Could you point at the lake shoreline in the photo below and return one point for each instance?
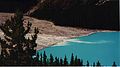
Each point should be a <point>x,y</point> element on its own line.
<point>103,48</point>
<point>47,40</point>
<point>60,41</point>
<point>51,34</point>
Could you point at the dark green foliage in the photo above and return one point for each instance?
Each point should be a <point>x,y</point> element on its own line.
<point>61,62</point>
<point>51,59</point>
<point>114,64</point>
<point>65,61</point>
<point>98,64</point>
<point>56,61</point>
<point>94,64</point>
<point>15,48</point>
<point>81,63</point>
<point>36,59</point>
<point>72,60</point>
<point>44,59</point>
<point>76,60</point>
<point>87,63</point>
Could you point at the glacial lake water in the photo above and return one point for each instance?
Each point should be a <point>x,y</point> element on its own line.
<point>102,46</point>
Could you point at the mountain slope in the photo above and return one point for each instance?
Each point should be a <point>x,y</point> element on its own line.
<point>96,14</point>
<point>13,5</point>
<point>47,27</point>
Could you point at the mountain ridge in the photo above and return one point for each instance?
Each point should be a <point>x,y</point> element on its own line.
<point>87,14</point>
<point>95,14</point>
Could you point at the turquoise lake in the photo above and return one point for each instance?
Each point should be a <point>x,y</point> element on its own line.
<point>102,46</point>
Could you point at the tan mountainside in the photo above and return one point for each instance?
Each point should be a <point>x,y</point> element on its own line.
<point>47,27</point>
<point>50,34</point>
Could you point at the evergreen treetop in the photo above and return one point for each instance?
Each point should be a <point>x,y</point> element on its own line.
<point>16,49</point>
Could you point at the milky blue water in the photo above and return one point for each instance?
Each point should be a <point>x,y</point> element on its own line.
<point>102,46</point>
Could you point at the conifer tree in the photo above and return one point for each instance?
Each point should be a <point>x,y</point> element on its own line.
<point>94,64</point>
<point>81,62</point>
<point>47,62</point>
<point>114,64</point>
<point>44,58</point>
<point>98,64</point>
<point>76,60</point>
<point>51,59</point>
<point>16,49</point>
<point>65,61</point>
<point>36,59</point>
<point>61,62</point>
<point>87,63</point>
<point>72,60</point>
<point>56,61</point>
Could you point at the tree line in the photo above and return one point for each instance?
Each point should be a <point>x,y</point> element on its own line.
<point>43,60</point>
